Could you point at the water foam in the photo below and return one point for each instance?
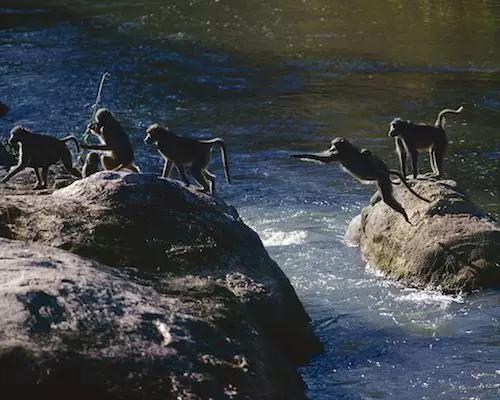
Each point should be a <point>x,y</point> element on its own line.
<point>272,237</point>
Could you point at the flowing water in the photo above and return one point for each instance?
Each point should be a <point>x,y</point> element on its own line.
<point>277,76</point>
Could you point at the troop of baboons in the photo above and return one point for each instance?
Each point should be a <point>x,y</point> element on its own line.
<point>41,151</point>
<point>410,138</point>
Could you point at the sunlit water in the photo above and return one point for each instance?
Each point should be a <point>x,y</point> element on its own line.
<point>281,76</point>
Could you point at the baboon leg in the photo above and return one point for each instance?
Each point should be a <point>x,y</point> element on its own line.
<point>376,197</point>
<point>18,168</point>
<point>387,194</point>
<point>414,163</point>
<point>432,159</point>
<point>45,175</point>
<point>401,150</point>
<point>197,173</point>
<point>182,173</point>
<point>167,168</point>
<point>68,164</point>
<point>438,160</point>
<point>211,178</point>
<point>133,168</point>
<point>109,163</point>
<point>39,179</point>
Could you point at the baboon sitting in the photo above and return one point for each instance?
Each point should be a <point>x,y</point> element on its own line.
<point>114,141</point>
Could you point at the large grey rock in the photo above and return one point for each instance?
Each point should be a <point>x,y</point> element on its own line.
<point>73,328</point>
<point>451,245</point>
<point>158,226</point>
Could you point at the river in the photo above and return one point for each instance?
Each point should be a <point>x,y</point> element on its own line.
<point>277,76</point>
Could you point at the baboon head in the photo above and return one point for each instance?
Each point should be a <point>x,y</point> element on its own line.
<point>104,116</point>
<point>397,126</point>
<point>153,133</point>
<point>339,144</point>
<point>18,134</point>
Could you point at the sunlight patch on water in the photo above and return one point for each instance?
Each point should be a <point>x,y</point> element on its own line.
<point>273,237</point>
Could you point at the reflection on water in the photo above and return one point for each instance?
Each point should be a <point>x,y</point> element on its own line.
<point>273,77</point>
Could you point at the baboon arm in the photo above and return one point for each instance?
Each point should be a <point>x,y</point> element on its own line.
<point>101,147</point>
<point>167,168</point>
<point>18,168</point>
<point>326,156</point>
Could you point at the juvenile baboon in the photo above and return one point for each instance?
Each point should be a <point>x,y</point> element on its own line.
<point>366,167</point>
<point>40,152</point>
<point>91,165</point>
<point>187,152</point>
<point>412,139</point>
<point>114,141</point>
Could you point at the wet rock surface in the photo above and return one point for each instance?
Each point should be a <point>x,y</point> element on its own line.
<point>451,244</point>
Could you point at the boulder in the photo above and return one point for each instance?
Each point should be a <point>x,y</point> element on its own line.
<point>73,328</point>
<point>450,245</point>
<point>167,231</point>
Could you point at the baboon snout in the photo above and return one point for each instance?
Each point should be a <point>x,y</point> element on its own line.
<point>393,130</point>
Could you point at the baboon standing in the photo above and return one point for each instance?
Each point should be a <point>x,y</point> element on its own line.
<point>191,152</point>
<point>40,152</point>
<point>413,139</point>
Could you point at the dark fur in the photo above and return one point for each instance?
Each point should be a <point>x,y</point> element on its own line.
<point>114,140</point>
<point>187,152</point>
<point>412,139</point>
<point>366,168</point>
<point>40,152</point>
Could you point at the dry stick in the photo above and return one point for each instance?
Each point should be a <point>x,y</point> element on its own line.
<point>94,108</point>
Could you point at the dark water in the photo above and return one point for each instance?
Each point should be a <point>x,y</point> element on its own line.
<point>273,77</point>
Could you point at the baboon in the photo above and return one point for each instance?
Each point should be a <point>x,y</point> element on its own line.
<point>91,165</point>
<point>40,152</point>
<point>191,152</point>
<point>366,167</point>
<point>114,141</point>
<point>412,139</point>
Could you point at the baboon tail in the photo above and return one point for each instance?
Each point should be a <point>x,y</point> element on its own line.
<point>72,137</point>
<point>225,161</point>
<point>439,120</point>
<point>403,180</point>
